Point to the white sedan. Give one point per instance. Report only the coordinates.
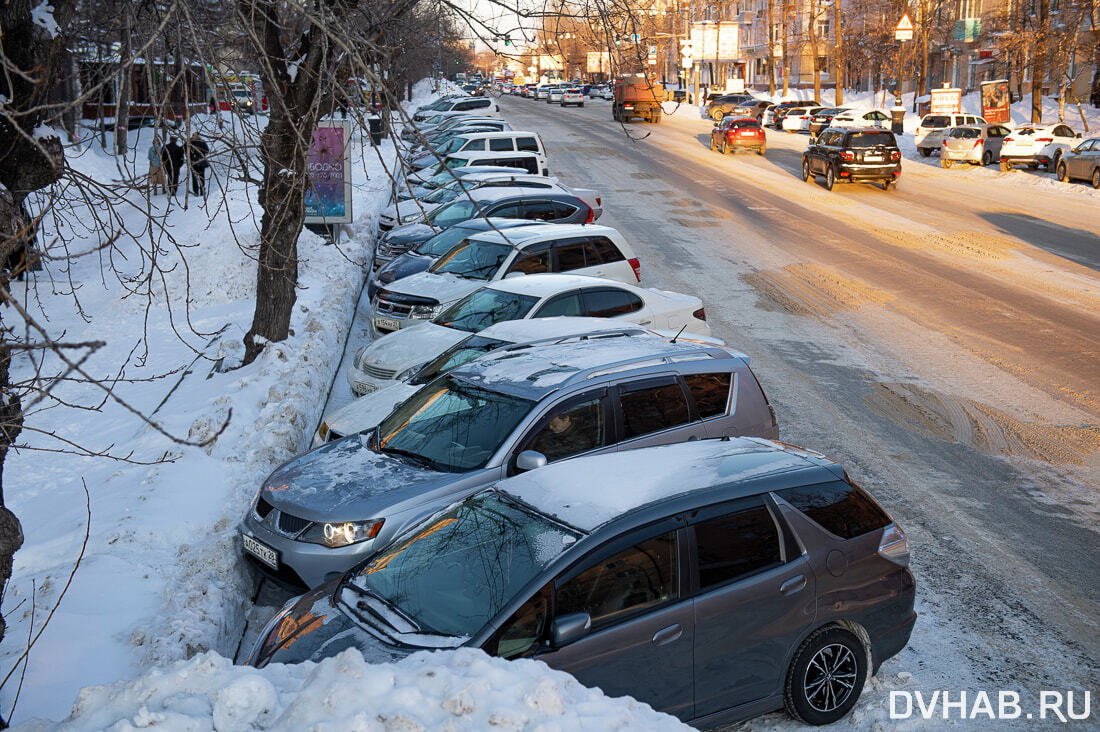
(1035, 145)
(397, 355)
(874, 118)
(572, 96)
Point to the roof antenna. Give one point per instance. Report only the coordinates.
(678, 333)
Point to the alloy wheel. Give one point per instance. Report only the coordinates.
(830, 677)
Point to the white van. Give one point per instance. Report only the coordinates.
(504, 141)
(933, 129)
(532, 162)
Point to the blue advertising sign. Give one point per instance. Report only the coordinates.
(328, 195)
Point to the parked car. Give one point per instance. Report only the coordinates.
(597, 251)
(461, 104)
(975, 144)
(683, 582)
(780, 110)
(933, 128)
(822, 119)
(1081, 162)
(572, 95)
(509, 411)
(732, 134)
(853, 155)
(719, 104)
(379, 393)
(1035, 145)
(749, 108)
(531, 162)
(554, 94)
(874, 118)
(448, 177)
(797, 119)
(505, 141)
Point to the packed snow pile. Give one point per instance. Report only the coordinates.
(456, 690)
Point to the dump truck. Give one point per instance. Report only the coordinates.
(636, 96)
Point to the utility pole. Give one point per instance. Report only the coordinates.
(770, 37)
(1038, 62)
(838, 51)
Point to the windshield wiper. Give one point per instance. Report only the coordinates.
(424, 462)
(374, 614)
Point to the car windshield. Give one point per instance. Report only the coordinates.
(871, 139)
(459, 569)
(446, 193)
(442, 242)
(966, 133)
(463, 352)
(485, 307)
(453, 213)
(475, 259)
(936, 121)
(451, 425)
(451, 146)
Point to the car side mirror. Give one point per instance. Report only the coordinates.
(1078, 135)
(517, 273)
(530, 460)
(566, 629)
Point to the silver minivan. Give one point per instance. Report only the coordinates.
(511, 411)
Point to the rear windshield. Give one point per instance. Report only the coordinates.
(966, 133)
(744, 123)
(936, 121)
(871, 139)
(840, 508)
(1024, 132)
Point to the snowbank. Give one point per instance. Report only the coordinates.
(457, 690)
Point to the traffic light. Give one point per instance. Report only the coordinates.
(618, 41)
(507, 41)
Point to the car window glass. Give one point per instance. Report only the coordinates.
(506, 211)
(571, 430)
(838, 507)
(736, 545)
(607, 250)
(870, 139)
(569, 304)
(501, 143)
(576, 254)
(610, 303)
(636, 578)
(711, 392)
(935, 121)
(532, 260)
(475, 145)
(652, 409)
(525, 626)
(528, 144)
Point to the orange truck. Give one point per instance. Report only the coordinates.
(636, 96)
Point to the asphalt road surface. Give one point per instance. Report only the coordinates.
(942, 340)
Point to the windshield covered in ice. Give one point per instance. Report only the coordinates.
(475, 259)
(450, 425)
(457, 571)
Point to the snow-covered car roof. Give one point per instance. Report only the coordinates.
(544, 285)
(525, 234)
(529, 329)
(636, 478)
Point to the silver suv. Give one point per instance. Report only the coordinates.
(713, 580)
(513, 410)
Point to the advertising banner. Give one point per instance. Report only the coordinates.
(712, 41)
(946, 101)
(598, 62)
(328, 195)
(995, 101)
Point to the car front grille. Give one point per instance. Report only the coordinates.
(385, 307)
(263, 508)
(384, 226)
(291, 524)
(379, 373)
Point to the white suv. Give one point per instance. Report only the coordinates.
(933, 129)
(1035, 145)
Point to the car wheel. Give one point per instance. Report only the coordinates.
(1096, 178)
(807, 174)
(887, 185)
(713, 144)
(1033, 166)
(987, 157)
(1005, 166)
(761, 150)
(945, 162)
(1061, 171)
(725, 148)
(716, 115)
(924, 152)
(1053, 164)
(830, 178)
(826, 676)
(581, 104)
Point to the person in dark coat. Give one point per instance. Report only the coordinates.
(197, 153)
(171, 156)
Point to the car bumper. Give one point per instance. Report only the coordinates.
(861, 173)
(1028, 159)
(969, 156)
(300, 564)
(362, 383)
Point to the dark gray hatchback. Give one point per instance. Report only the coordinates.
(714, 580)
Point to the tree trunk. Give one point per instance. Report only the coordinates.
(770, 35)
(814, 49)
(838, 54)
(122, 109)
(786, 55)
(1038, 63)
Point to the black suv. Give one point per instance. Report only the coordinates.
(856, 155)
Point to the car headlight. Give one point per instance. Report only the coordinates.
(408, 373)
(342, 533)
(424, 311)
(322, 431)
(358, 360)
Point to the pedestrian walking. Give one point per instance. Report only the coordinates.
(171, 157)
(197, 153)
(156, 169)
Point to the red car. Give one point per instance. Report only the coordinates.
(732, 133)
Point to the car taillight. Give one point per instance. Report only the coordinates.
(591, 215)
(894, 545)
(1044, 139)
(637, 267)
(978, 142)
(599, 201)
(847, 155)
(1007, 139)
(701, 314)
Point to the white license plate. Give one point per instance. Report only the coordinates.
(873, 159)
(387, 323)
(261, 551)
(363, 388)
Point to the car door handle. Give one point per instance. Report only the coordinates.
(667, 635)
(793, 585)
(645, 322)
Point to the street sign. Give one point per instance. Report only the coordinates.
(904, 29)
(634, 37)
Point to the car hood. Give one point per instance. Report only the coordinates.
(443, 288)
(406, 264)
(409, 346)
(367, 411)
(345, 478)
(410, 232)
(413, 210)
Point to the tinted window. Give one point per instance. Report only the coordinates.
(711, 393)
(742, 123)
(576, 254)
(607, 250)
(736, 545)
(533, 260)
(838, 507)
(561, 305)
(475, 145)
(652, 409)
(608, 303)
(965, 133)
(1063, 132)
(507, 211)
(528, 144)
(639, 577)
(870, 139)
(935, 121)
(571, 430)
(501, 143)
(547, 210)
(519, 632)
(830, 138)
